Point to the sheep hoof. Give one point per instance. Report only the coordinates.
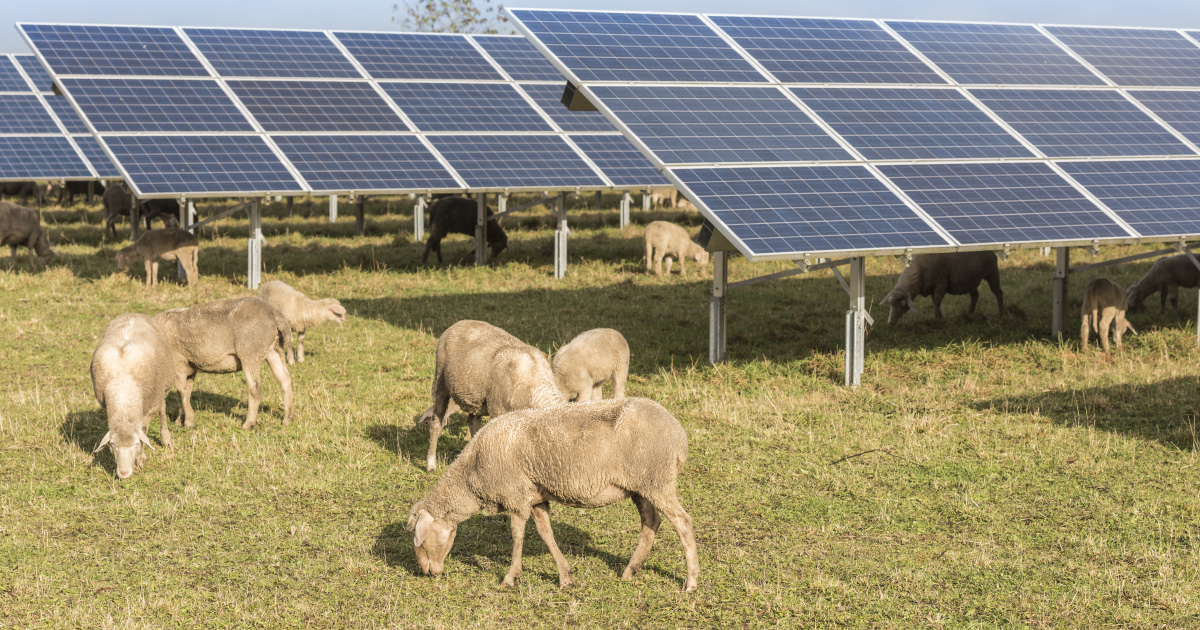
(690, 588)
(509, 582)
(247, 425)
(565, 583)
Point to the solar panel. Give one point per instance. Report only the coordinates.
(10, 78)
(519, 58)
(365, 163)
(418, 56)
(1081, 123)
(272, 53)
(113, 50)
(70, 119)
(40, 157)
(616, 156)
(466, 107)
(24, 114)
(1015, 54)
(706, 124)
(911, 124)
(1180, 109)
(808, 50)
(531, 162)
(547, 97)
(156, 105)
(317, 106)
(95, 154)
(199, 165)
(996, 203)
(1135, 56)
(36, 73)
(1156, 197)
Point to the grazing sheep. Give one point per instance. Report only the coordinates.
(116, 200)
(663, 197)
(32, 190)
(583, 455)
(1104, 301)
(939, 274)
(68, 190)
(132, 369)
(225, 336)
(667, 240)
(588, 361)
(300, 312)
(457, 215)
(169, 244)
(21, 226)
(1166, 275)
(486, 372)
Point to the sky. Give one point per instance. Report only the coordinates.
(375, 15)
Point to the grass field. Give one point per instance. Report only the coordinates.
(1018, 481)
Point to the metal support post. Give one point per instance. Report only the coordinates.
(419, 219)
(599, 199)
(480, 228)
(501, 203)
(856, 323)
(1062, 270)
(717, 328)
(184, 218)
(626, 201)
(254, 248)
(291, 201)
(91, 191)
(360, 218)
(560, 236)
(646, 201)
(332, 208)
(133, 217)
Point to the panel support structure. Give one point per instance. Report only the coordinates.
(480, 228)
(646, 201)
(1062, 272)
(133, 217)
(626, 201)
(717, 324)
(560, 236)
(254, 248)
(332, 208)
(419, 218)
(185, 215)
(360, 218)
(1192, 257)
(856, 323)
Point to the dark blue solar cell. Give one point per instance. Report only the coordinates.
(24, 113)
(1081, 123)
(1155, 197)
(418, 56)
(548, 97)
(706, 124)
(784, 211)
(91, 148)
(365, 163)
(996, 203)
(156, 105)
(269, 53)
(67, 114)
(113, 50)
(40, 157)
(995, 53)
(36, 72)
(519, 58)
(317, 106)
(1181, 110)
(1135, 56)
(606, 46)
(531, 162)
(808, 50)
(624, 165)
(911, 124)
(10, 78)
(198, 165)
(466, 107)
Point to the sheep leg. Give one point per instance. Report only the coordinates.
(291, 354)
(994, 285)
(300, 347)
(185, 382)
(12, 263)
(428, 248)
(279, 369)
(253, 382)
(541, 518)
(474, 422)
(649, 256)
(435, 420)
(619, 378)
(1105, 322)
(1173, 295)
(682, 266)
(597, 392)
(682, 523)
(670, 261)
(974, 300)
(658, 259)
(516, 524)
(1085, 331)
(165, 438)
(650, 523)
(1162, 300)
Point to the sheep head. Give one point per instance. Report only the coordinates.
(701, 256)
(45, 253)
(432, 539)
(124, 258)
(497, 239)
(127, 450)
(334, 311)
(1134, 297)
(900, 302)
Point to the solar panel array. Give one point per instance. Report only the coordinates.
(229, 112)
(818, 136)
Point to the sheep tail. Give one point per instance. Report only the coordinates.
(284, 334)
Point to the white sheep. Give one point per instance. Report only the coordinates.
(664, 239)
(301, 312)
(583, 455)
(593, 358)
(1103, 302)
(132, 369)
(169, 244)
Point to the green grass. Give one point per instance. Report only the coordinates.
(1019, 481)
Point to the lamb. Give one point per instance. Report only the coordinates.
(939, 274)
(588, 361)
(301, 313)
(1103, 301)
(116, 200)
(486, 372)
(132, 370)
(1166, 275)
(168, 244)
(21, 226)
(667, 240)
(224, 336)
(457, 215)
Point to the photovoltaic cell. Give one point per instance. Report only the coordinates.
(201, 164)
(24, 114)
(40, 157)
(272, 53)
(156, 105)
(317, 106)
(37, 73)
(1135, 57)
(365, 163)
(808, 50)
(515, 161)
(801, 209)
(1180, 109)
(995, 203)
(995, 53)
(10, 79)
(602, 46)
(1155, 197)
(519, 58)
(621, 161)
(70, 119)
(706, 124)
(418, 56)
(113, 50)
(104, 167)
(911, 124)
(547, 97)
(466, 107)
(1081, 123)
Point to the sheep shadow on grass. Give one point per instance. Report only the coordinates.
(410, 440)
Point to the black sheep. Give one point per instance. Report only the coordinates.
(24, 189)
(116, 205)
(68, 190)
(457, 215)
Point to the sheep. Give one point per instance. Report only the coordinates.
(301, 313)
(1103, 301)
(21, 226)
(68, 190)
(667, 240)
(224, 336)
(486, 372)
(1166, 275)
(583, 455)
(939, 274)
(116, 200)
(32, 190)
(132, 369)
(584, 364)
(168, 244)
(663, 197)
(457, 215)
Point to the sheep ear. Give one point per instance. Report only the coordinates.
(884, 302)
(912, 306)
(424, 520)
(145, 440)
(104, 442)
(1130, 327)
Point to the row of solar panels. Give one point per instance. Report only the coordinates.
(215, 112)
(977, 135)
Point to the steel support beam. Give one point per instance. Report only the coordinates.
(1062, 273)
(856, 323)
(1192, 257)
(419, 218)
(360, 217)
(560, 236)
(626, 201)
(185, 216)
(646, 201)
(254, 247)
(332, 208)
(133, 216)
(718, 330)
(91, 191)
(480, 228)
